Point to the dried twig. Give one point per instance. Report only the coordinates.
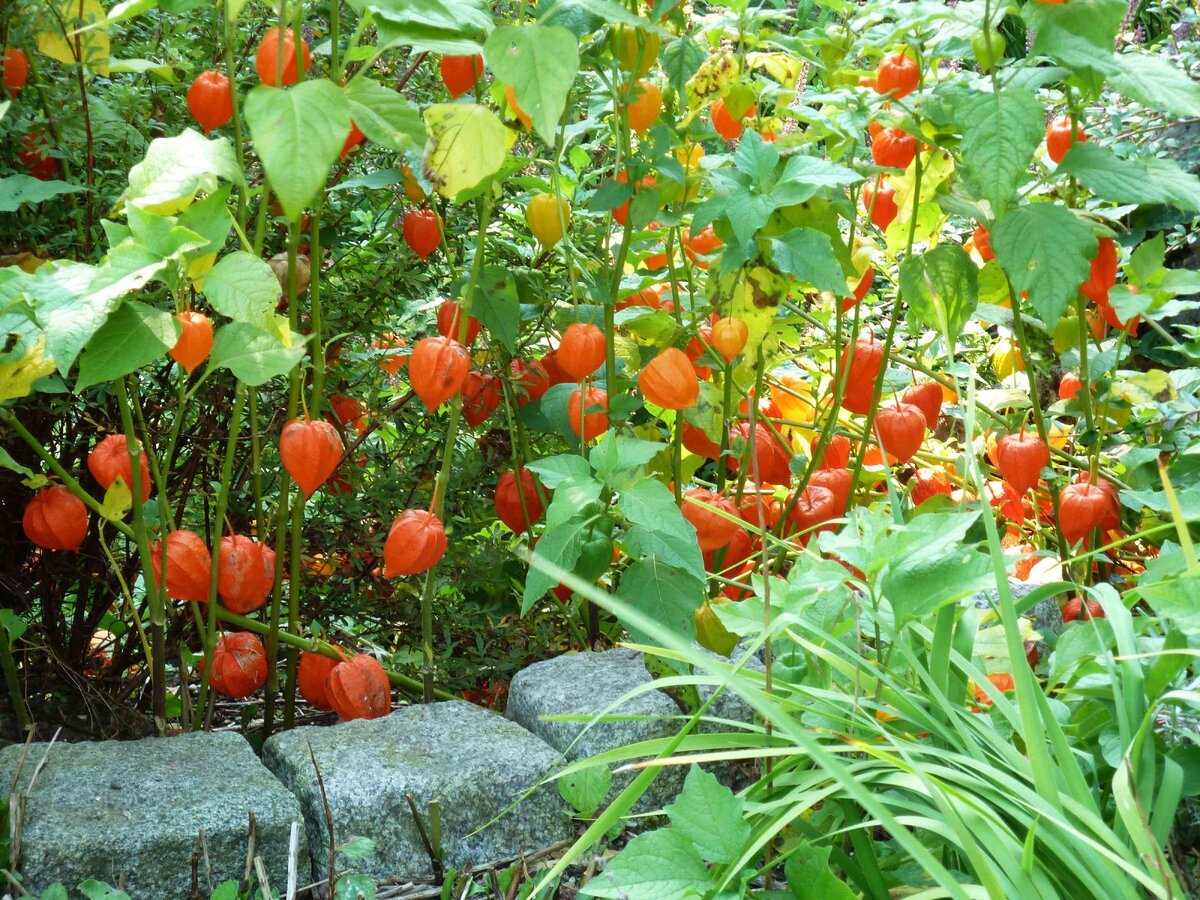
(293, 861)
(250, 850)
(328, 821)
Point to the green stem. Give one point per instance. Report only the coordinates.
(154, 590)
(12, 682)
(235, 421)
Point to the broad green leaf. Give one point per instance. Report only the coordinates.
(616, 456)
(681, 59)
(422, 38)
(466, 143)
(1156, 82)
(16, 190)
(573, 497)
(1080, 641)
(298, 133)
(659, 528)
(809, 876)
(586, 789)
(942, 288)
(1175, 598)
(803, 176)
(1046, 250)
(561, 546)
(497, 305)
(176, 169)
(670, 596)
(710, 816)
(1000, 134)
(17, 377)
(1080, 34)
(553, 471)
(91, 47)
(68, 314)
(540, 62)
(242, 287)
(656, 865)
(160, 70)
(226, 890)
(98, 890)
(6, 460)
(385, 116)
(13, 624)
(415, 19)
(807, 255)
(134, 335)
(253, 355)
(925, 579)
(353, 887)
(748, 210)
(1146, 180)
(756, 158)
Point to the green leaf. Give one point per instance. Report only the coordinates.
(670, 596)
(586, 789)
(353, 887)
(385, 116)
(657, 865)
(748, 210)
(422, 38)
(1080, 34)
(98, 890)
(7, 462)
(1175, 599)
(1000, 135)
(681, 59)
(226, 890)
(497, 305)
(540, 62)
(1147, 180)
(176, 169)
(809, 876)
(941, 287)
(804, 176)
(415, 21)
(210, 219)
(357, 848)
(1156, 82)
(13, 624)
(133, 336)
(561, 546)
(756, 158)
(1047, 251)
(1080, 642)
(926, 579)
(298, 133)
(242, 287)
(807, 255)
(68, 315)
(659, 528)
(617, 456)
(253, 355)
(466, 143)
(710, 816)
(16, 190)
(554, 471)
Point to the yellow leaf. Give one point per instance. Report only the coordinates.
(17, 378)
(63, 44)
(783, 67)
(466, 143)
(117, 500)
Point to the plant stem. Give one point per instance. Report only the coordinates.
(210, 639)
(154, 590)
